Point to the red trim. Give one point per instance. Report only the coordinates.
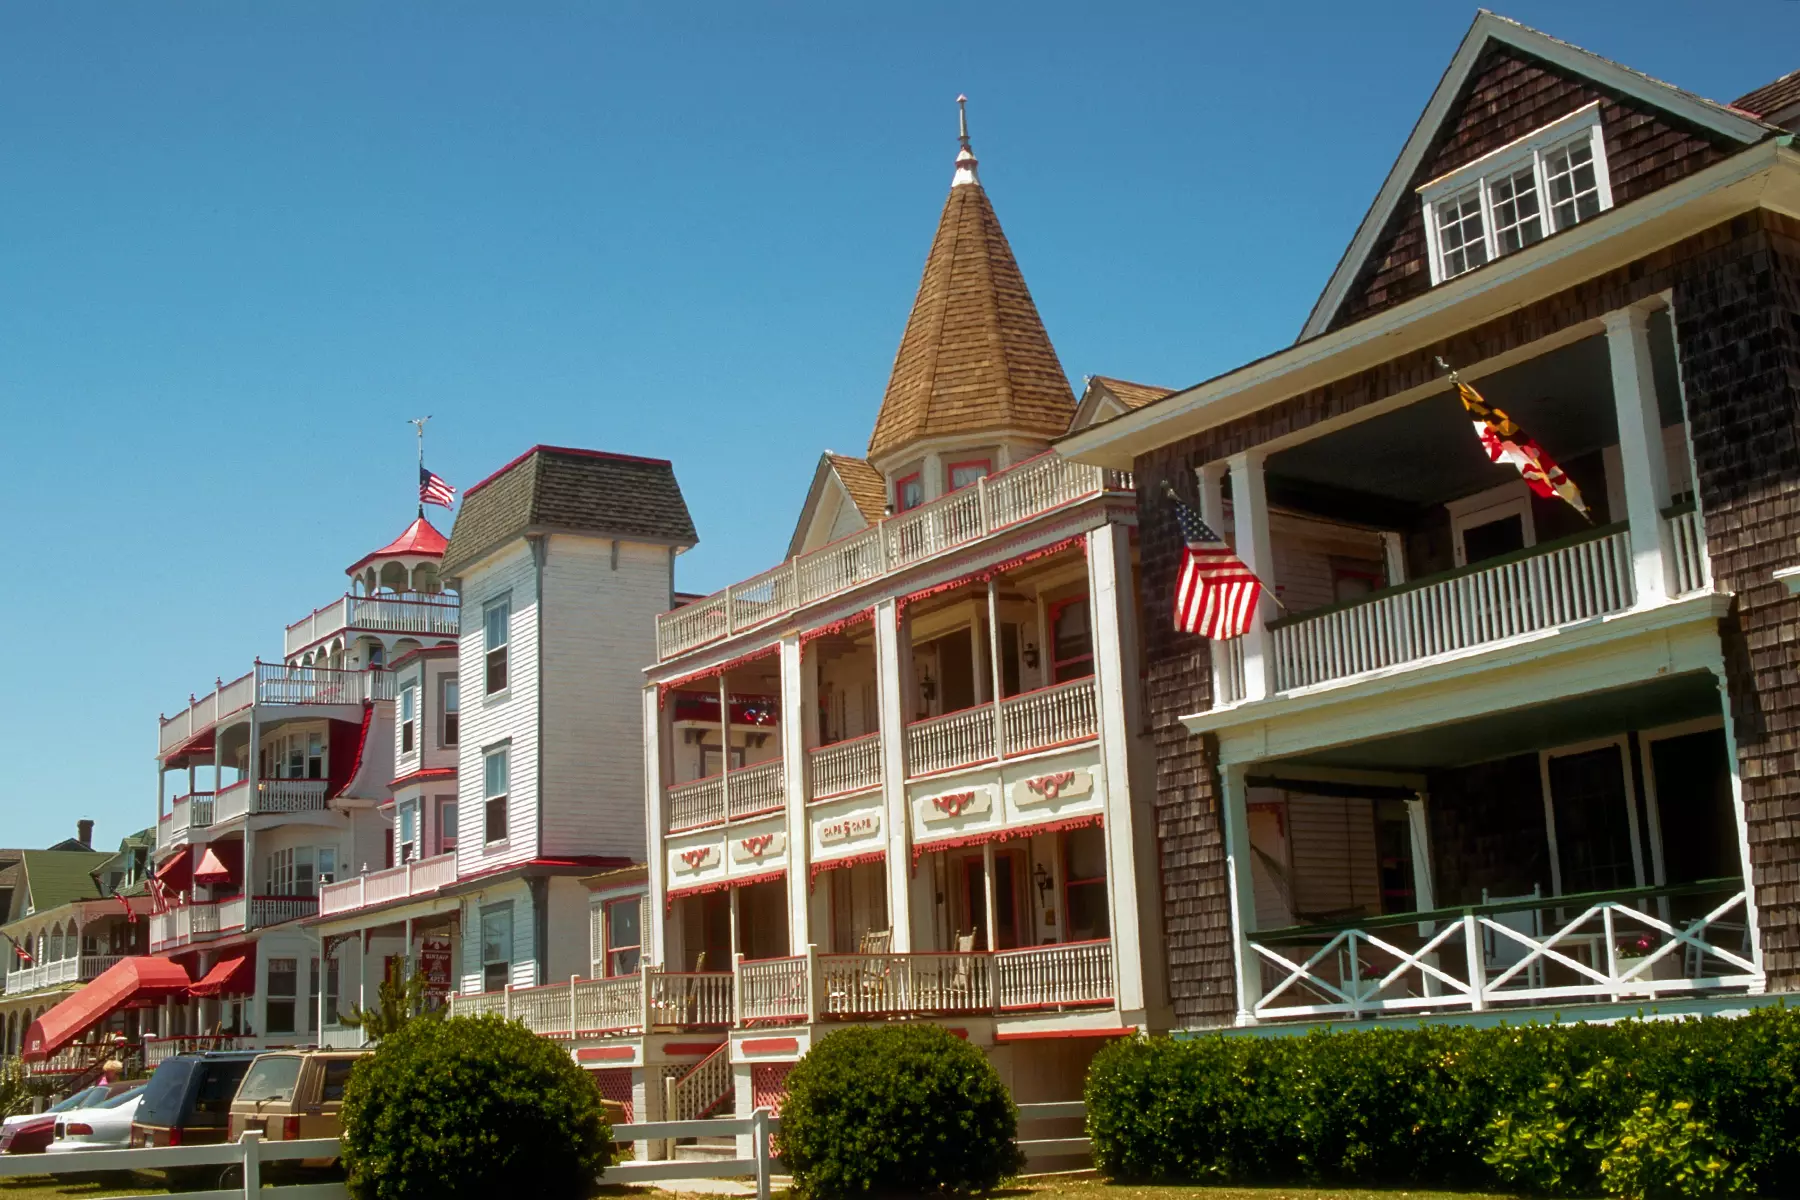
(424, 775)
(957, 1033)
(663, 689)
(605, 1054)
(834, 864)
(684, 1048)
(900, 492)
(362, 744)
(1037, 1035)
(987, 573)
(855, 618)
(721, 885)
(606, 454)
(986, 465)
(412, 543)
(774, 1045)
(1005, 835)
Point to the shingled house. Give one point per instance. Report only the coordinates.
(1490, 754)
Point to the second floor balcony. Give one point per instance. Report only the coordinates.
(418, 614)
(373, 889)
(29, 978)
(273, 684)
(201, 921)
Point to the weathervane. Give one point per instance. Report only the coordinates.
(418, 423)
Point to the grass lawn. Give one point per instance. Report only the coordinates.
(1079, 1187)
(43, 1187)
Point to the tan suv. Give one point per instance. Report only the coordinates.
(293, 1095)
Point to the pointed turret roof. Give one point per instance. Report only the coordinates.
(975, 356)
(420, 540)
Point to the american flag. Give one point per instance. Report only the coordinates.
(433, 490)
(1216, 595)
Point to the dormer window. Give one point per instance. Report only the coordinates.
(1517, 195)
(964, 474)
(909, 492)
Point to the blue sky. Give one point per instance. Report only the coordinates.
(243, 243)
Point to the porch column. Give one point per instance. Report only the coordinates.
(161, 790)
(891, 647)
(725, 744)
(798, 710)
(990, 911)
(1250, 525)
(655, 823)
(993, 658)
(1234, 778)
(1646, 469)
(1130, 844)
(1211, 481)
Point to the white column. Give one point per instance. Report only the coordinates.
(1130, 844)
(993, 663)
(1211, 481)
(891, 647)
(1250, 524)
(655, 823)
(797, 711)
(990, 910)
(1239, 884)
(1645, 467)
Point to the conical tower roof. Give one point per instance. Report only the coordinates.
(975, 357)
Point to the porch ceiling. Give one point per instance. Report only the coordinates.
(1556, 723)
(1426, 452)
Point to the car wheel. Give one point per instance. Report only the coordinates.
(232, 1178)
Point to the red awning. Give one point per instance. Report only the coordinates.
(235, 975)
(211, 870)
(177, 873)
(128, 981)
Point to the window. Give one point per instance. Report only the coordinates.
(496, 622)
(964, 474)
(278, 1006)
(1072, 642)
(623, 939)
(446, 824)
(496, 947)
(296, 759)
(337, 1074)
(1518, 195)
(451, 710)
(909, 492)
(290, 872)
(409, 831)
(408, 718)
(1084, 884)
(312, 991)
(327, 864)
(1491, 523)
(331, 991)
(496, 780)
(315, 756)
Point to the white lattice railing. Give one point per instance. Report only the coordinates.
(1601, 946)
(697, 803)
(952, 740)
(859, 985)
(1687, 546)
(612, 1005)
(757, 788)
(1054, 976)
(849, 766)
(1031, 488)
(1574, 581)
(702, 1088)
(772, 988)
(1050, 716)
(203, 712)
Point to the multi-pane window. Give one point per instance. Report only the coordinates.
(496, 779)
(451, 717)
(409, 705)
(909, 492)
(1517, 196)
(297, 870)
(1084, 884)
(964, 474)
(409, 831)
(1071, 640)
(446, 824)
(280, 1002)
(623, 940)
(496, 627)
(496, 947)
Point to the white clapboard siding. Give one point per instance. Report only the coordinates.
(487, 721)
(599, 631)
(1332, 844)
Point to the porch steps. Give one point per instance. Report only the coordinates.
(706, 1149)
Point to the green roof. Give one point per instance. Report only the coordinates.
(57, 877)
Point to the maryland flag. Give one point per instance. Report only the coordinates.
(1505, 442)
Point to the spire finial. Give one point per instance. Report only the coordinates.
(965, 157)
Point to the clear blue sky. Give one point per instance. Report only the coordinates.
(241, 243)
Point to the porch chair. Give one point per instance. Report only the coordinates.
(872, 978)
(1498, 953)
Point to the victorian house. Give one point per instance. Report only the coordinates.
(1481, 751)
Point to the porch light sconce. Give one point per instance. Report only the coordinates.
(927, 686)
(1042, 878)
(1030, 655)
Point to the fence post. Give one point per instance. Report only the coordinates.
(1477, 969)
(737, 991)
(759, 1130)
(644, 969)
(250, 1145)
(506, 1002)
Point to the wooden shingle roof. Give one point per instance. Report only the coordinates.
(1132, 395)
(864, 484)
(1772, 97)
(975, 356)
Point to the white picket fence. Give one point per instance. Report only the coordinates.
(247, 1155)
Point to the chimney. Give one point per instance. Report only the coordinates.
(84, 833)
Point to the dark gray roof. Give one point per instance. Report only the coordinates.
(555, 489)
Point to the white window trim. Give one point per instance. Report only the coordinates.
(1494, 504)
(1505, 161)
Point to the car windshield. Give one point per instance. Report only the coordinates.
(122, 1099)
(271, 1077)
(166, 1092)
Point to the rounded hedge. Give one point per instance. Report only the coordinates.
(896, 1110)
(472, 1106)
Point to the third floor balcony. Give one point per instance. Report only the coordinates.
(268, 684)
(418, 614)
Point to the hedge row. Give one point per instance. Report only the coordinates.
(1639, 1108)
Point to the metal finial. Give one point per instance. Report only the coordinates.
(962, 119)
(965, 157)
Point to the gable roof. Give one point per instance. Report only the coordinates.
(975, 356)
(1488, 30)
(860, 483)
(1772, 99)
(1131, 395)
(58, 877)
(558, 489)
(1105, 397)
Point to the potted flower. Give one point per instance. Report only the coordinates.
(1633, 948)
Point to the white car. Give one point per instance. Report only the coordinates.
(86, 1096)
(105, 1126)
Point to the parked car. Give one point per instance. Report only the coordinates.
(293, 1095)
(187, 1100)
(103, 1126)
(32, 1133)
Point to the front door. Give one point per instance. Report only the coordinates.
(1592, 823)
(1008, 873)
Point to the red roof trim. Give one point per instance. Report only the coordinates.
(575, 450)
(420, 539)
(1036, 1035)
(424, 775)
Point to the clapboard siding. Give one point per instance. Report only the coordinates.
(517, 896)
(490, 720)
(1331, 842)
(599, 630)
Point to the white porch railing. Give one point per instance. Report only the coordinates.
(597, 1007)
(226, 914)
(697, 803)
(702, 1088)
(760, 787)
(1687, 544)
(772, 988)
(291, 795)
(757, 788)
(849, 766)
(424, 613)
(1036, 720)
(1581, 578)
(232, 802)
(952, 740)
(1601, 946)
(273, 683)
(190, 922)
(417, 878)
(273, 910)
(1054, 976)
(1031, 488)
(192, 811)
(691, 999)
(873, 985)
(66, 970)
(203, 712)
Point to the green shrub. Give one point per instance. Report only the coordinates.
(1538, 1108)
(471, 1106)
(896, 1109)
(1665, 1150)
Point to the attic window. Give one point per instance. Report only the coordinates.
(1517, 195)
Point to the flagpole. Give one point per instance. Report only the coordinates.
(418, 423)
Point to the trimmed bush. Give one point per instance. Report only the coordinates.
(471, 1106)
(1652, 1108)
(896, 1110)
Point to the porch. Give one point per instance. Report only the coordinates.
(420, 614)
